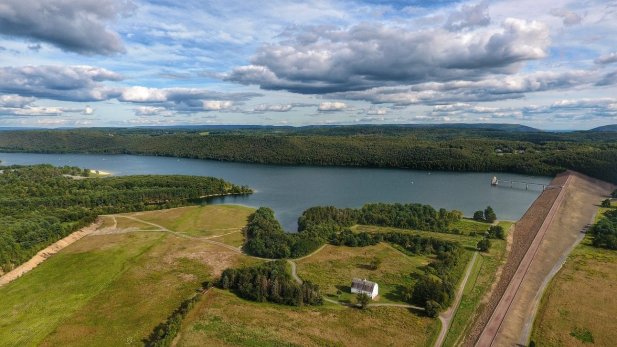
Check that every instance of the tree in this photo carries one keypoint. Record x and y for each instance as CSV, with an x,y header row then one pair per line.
x,y
363,300
496,232
432,308
479,216
606,203
489,215
375,263
484,245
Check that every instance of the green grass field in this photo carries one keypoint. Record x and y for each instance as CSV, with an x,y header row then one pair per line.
x,y
223,319
108,290
208,220
33,306
333,268
579,305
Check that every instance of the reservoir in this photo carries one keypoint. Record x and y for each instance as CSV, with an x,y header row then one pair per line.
x,y
289,190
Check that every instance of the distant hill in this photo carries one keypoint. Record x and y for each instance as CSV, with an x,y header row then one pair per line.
x,y
481,126
605,128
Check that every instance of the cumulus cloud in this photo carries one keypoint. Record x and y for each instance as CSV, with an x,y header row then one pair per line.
x,y
15,101
367,56
469,17
273,108
607,58
71,83
374,111
187,99
569,17
329,106
216,105
87,111
73,25
488,89
566,109
144,111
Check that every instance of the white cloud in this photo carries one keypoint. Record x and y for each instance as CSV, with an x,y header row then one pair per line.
x,y
273,108
469,16
328,106
368,56
216,105
607,58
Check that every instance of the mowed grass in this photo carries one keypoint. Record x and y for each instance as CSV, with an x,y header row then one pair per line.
x,y
208,220
223,319
333,268
579,305
34,305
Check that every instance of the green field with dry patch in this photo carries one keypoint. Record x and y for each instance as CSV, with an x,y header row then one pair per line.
x,y
333,267
207,220
113,287
222,319
579,305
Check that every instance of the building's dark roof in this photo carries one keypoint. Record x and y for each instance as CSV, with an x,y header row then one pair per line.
x,y
363,285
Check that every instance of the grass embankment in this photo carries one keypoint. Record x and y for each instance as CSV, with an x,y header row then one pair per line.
x,y
223,319
108,290
579,305
481,279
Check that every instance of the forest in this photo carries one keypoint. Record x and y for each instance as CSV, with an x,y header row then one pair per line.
x,y
424,148
42,204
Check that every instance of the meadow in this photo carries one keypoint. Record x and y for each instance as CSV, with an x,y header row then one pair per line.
x,y
113,287
579,304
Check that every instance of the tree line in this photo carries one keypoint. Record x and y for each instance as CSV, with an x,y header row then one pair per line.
x,y
42,204
604,232
535,153
318,225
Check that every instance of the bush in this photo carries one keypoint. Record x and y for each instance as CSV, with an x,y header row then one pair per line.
x,y
484,245
606,203
363,300
496,232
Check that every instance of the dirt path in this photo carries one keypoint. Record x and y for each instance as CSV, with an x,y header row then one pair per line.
x,y
47,252
575,205
446,316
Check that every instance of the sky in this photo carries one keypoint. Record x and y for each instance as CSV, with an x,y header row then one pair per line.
x,y
90,63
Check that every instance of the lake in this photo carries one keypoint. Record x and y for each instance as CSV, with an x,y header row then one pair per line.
x,y
289,190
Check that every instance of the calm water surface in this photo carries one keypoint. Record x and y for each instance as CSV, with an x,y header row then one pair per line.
x,y
289,190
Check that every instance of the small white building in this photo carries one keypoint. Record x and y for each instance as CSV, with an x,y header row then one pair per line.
x,y
363,286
